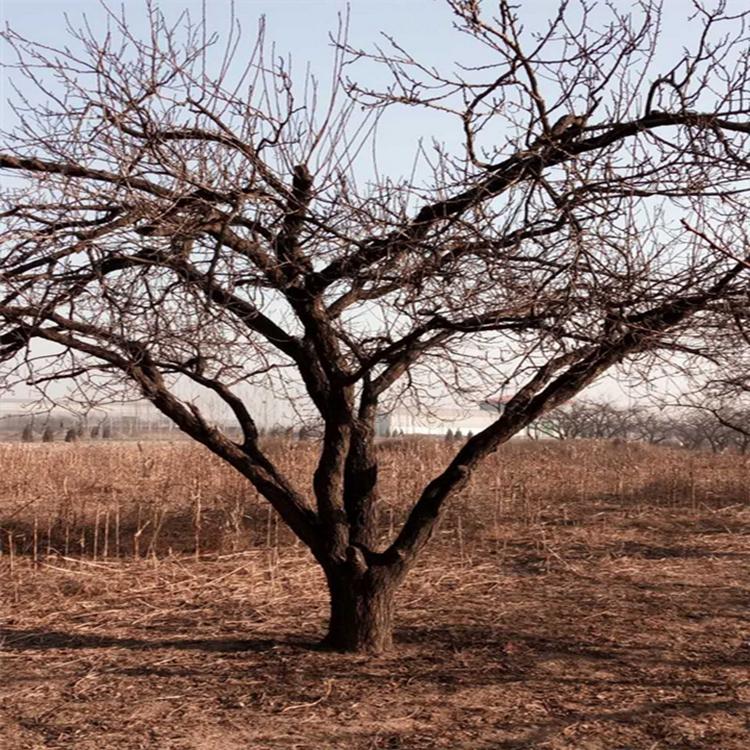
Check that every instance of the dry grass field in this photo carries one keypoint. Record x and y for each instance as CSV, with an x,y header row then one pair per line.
x,y
579,596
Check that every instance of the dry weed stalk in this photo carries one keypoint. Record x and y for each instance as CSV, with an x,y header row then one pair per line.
x,y
63,507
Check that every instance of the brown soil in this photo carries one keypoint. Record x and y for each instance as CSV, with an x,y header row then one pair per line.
x,y
594,623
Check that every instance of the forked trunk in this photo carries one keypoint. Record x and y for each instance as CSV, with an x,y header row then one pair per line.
x,y
361,617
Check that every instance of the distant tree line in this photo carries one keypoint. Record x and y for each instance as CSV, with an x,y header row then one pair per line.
x,y
696,425
53,430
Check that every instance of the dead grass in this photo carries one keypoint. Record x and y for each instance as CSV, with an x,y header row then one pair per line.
x,y
578,596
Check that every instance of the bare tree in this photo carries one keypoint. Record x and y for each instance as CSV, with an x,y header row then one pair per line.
x,y
699,430
651,425
27,435
591,420
170,224
727,396
712,424
716,407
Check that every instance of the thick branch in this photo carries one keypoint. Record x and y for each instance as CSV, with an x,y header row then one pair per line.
x,y
137,364
521,166
529,404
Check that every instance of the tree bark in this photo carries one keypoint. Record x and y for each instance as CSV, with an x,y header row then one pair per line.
x,y
362,605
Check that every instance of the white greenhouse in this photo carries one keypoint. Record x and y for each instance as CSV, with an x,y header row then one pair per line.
x,y
438,421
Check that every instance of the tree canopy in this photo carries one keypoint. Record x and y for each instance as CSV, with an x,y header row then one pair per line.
x,y
170,220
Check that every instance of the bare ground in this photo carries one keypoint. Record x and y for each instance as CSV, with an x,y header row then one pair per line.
x,y
600,624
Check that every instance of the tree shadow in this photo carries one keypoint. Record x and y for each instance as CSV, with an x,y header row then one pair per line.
x,y
659,552
635,716
486,636
17,639
472,654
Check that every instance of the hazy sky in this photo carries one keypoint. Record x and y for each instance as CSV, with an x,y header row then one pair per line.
x,y
302,27
299,28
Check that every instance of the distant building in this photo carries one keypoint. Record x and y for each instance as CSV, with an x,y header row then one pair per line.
x,y
440,420
13,414
127,419
10,405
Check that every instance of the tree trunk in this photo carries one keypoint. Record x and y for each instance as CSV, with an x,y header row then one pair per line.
x,y
361,617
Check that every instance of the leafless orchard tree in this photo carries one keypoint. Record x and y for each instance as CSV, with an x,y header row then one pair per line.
x,y
649,425
728,394
587,419
707,426
713,411
726,422
166,221
717,416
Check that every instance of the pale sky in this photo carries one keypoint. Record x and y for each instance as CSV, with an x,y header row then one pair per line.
x,y
302,27
299,28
